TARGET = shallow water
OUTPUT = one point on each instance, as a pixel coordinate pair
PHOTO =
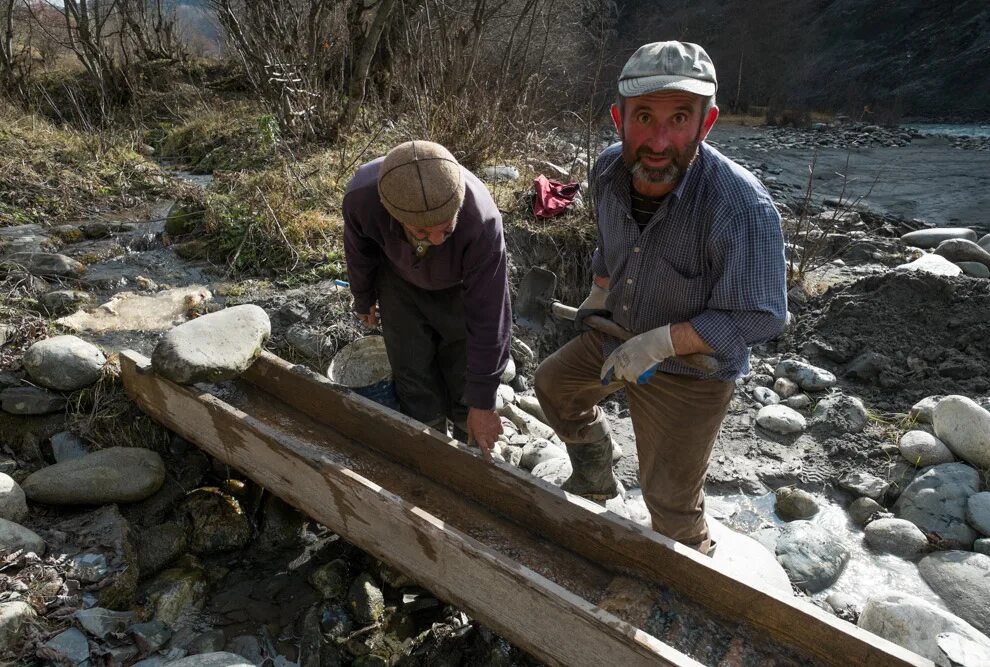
(950, 129)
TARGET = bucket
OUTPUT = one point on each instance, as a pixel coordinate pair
(363, 368)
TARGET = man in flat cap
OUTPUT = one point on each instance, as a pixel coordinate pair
(690, 259)
(424, 248)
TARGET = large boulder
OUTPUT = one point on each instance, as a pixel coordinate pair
(113, 475)
(963, 250)
(922, 449)
(934, 264)
(30, 401)
(965, 428)
(935, 501)
(65, 363)
(962, 580)
(930, 238)
(212, 348)
(812, 558)
(916, 624)
(45, 264)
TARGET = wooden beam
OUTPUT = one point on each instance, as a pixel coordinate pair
(577, 524)
(536, 614)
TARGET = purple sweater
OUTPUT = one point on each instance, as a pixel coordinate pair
(472, 257)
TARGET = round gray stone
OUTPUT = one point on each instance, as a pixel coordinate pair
(212, 348)
(935, 501)
(13, 616)
(113, 475)
(923, 410)
(922, 449)
(14, 536)
(13, 504)
(30, 401)
(896, 536)
(765, 396)
(785, 388)
(806, 376)
(538, 450)
(963, 250)
(864, 484)
(841, 413)
(64, 363)
(974, 269)
(978, 512)
(812, 558)
(791, 503)
(965, 428)
(930, 238)
(780, 419)
(962, 580)
(861, 509)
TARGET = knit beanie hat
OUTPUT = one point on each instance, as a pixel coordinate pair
(421, 184)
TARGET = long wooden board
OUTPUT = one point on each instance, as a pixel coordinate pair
(576, 524)
(543, 618)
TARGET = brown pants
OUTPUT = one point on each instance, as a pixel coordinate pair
(675, 419)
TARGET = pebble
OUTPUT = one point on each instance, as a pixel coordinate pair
(922, 449)
(923, 410)
(798, 402)
(780, 419)
(806, 376)
(841, 413)
(537, 451)
(861, 509)
(71, 645)
(930, 238)
(112, 475)
(14, 537)
(64, 363)
(864, 484)
(785, 388)
(965, 429)
(366, 600)
(791, 503)
(963, 250)
(765, 396)
(30, 401)
(896, 536)
(13, 616)
(974, 269)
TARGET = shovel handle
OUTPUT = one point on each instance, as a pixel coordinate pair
(702, 362)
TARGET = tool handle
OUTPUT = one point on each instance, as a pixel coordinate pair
(702, 362)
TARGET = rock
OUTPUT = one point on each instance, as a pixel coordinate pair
(864, 484)
(531, 405)
(30, 401)
(899, 474)
(63, 302)
(812, 558)
(67, 446)
(45, 264)
(785, 388)
(218, 659)
(935, 501)
(212, 348)
(509, 374)
(984, 242)
(512, 454)
(780, 419)
(806, 376)
(281, 524)
(13, 616)
(210, 641)
(100, 622)
(113, 475)
(522, 353)
(982, 546)
(798, 402)
(841, 413)
(527, 423)
(974, 269)
(861, 509)
(922, 449)
(870, 367)
(539, 450)
(915, 624)
(923, 410)
(13, 505)
(502, 172)
(178, 591)
(765, 396)
(150, 636)
(14, 537)
(978, 512)
(747, 559)
(930, 238)
(896, 536)
(366, 600)
(89, 568)
(64, 363)
(963, 250)
(554, 471)
(70, 645)
(331, 580)
(934, 264)
(794, 503)
(217, 520)
(183, 218)
(310, 342)
(160, 546)
(962, 651)
(962, 580)
(504, 394)
(965, 428)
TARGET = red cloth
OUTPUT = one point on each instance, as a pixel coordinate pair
(552, 197)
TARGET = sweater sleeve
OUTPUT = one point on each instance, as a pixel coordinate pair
(363, 256)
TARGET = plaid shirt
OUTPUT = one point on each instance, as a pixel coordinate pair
(713, 254)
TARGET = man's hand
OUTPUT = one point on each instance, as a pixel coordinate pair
(484, 427)
(637, 359)
(594, 303)
(369, 319)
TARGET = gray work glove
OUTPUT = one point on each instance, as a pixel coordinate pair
(594, 304)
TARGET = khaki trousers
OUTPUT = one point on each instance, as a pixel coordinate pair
(675, 420)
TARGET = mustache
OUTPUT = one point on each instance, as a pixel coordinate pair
(643, 151)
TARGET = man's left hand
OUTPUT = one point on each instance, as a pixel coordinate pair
(637, 359)
(484, 427)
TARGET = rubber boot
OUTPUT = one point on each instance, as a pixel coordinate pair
(592, 477)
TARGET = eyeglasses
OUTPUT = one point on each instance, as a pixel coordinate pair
(423, 233)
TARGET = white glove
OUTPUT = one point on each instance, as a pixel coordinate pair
(594, 304)
(637, 359)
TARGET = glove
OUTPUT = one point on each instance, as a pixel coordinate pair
(637, 359)
(594, 304)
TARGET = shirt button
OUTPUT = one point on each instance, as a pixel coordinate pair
(629, 281)
(636, 249)
(625, 308)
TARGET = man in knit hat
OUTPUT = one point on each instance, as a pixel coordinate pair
(424, 248)
(690, 259)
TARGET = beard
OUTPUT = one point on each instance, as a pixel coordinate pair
(677, 165)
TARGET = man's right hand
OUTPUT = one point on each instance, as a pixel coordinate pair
(594, 304)
(369, 319)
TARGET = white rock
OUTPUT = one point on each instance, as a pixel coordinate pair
(978, 512)
(896, 536)
(13, 616)
(765, 396)
(962, 580)
(922, 449)
(13, 504)
(14, 536)
(785, 388)
(965, 428)
(65, 363)
(537, 451)
(780, 419)
(864, 484)
(218, 659)
(531, 405)
(555, 471)
(935, 264)
(915, 624)
(929, 238)
(923, 410)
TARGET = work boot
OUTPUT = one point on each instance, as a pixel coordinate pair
(592, 476)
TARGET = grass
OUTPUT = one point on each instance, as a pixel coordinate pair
(50, 174)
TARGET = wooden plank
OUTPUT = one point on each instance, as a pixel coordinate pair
(575, 523)
(536, 614)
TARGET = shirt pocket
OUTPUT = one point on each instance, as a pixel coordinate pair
(670, 296)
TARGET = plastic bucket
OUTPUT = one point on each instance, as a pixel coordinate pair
(363, 368)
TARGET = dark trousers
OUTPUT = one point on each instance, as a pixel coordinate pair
(426, 341)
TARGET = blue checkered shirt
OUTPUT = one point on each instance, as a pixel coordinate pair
(712, 254)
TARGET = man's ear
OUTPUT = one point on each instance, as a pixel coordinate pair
(709, 122)
(617, 118)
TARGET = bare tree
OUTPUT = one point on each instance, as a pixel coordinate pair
(153, 29)
(8, 71)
